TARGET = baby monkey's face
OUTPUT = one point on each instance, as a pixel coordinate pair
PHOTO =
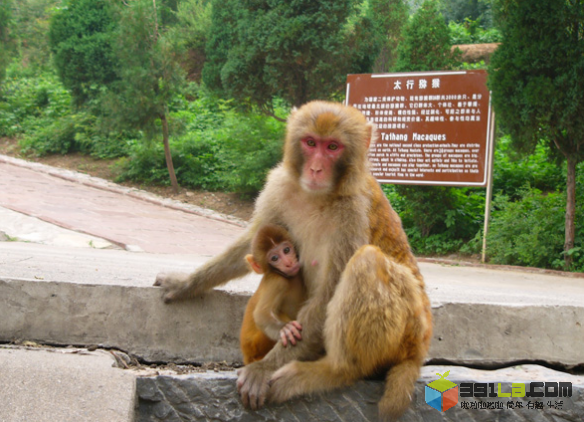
(283, 258)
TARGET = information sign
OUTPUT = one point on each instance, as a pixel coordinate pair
(434, 127)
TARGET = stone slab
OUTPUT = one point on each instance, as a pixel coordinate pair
(213, 397)
(44, 385)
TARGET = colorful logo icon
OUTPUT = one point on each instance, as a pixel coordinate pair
(442, 394)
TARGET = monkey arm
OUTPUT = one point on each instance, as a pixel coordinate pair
(267, 313)
(217, 271)
(231, 263)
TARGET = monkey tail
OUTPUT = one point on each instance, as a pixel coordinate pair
(399, 387)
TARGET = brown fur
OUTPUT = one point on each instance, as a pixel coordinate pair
(366, 305)
(275, 302)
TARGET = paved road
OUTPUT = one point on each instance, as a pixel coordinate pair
(118, 218)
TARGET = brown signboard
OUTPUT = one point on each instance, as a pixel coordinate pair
(434, 127)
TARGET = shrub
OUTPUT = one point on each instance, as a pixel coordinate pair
(438, 219)
(29, 102)
(220, 149)
(471, 32)
(529, 231)
(513, 171)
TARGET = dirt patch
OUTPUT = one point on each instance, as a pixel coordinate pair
(474, 53)
(225, 203)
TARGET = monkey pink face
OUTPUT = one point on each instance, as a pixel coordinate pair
(320, 156)
(283, 258)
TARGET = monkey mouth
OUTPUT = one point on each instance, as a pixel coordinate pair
(293, 271)
(312, 185)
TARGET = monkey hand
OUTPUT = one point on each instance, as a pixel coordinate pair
(252, 384)
(176, 286)
(290, 333)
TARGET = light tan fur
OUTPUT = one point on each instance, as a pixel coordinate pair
(367, 306)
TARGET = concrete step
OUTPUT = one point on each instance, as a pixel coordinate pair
(65, 385)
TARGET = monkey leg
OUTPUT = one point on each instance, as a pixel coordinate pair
(366, 330)
(255, 346)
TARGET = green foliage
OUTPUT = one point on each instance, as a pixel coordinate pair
(295, 50)
(77, 132)
(149, 74)
(252, 145)
(513, 171)
(81, 38)
(536, 74)
(426, 42)
(362, 41)
(230, 150)
(538, 89)
(470, 32)
(475, 10)
(528, 231)
(28, 25)
(528, 210)
(38, 110)
(388, 18)
(191, 33)
(5, 16)
(30, 102)
(438, 220)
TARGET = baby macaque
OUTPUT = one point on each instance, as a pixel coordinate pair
(271, 312)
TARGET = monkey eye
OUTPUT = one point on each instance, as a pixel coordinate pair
(333, 147)
(274, 258)
(287, 250)
(310, 142)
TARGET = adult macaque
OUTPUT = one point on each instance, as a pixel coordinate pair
(366, 301)
(271, 312)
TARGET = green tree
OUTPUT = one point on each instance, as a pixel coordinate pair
(469, 11)
(191, 34)
(5, 16)
(426, 42)
(81, 36)
(538, 87)
(149, 75)
(28, 30)
(263, 49)
(389, 17)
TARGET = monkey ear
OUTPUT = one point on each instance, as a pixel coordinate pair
(371, 133)
(253, 264)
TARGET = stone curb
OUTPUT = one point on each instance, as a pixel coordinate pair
(98, 183)
(134, 319)
(532, 270)
(213, 397)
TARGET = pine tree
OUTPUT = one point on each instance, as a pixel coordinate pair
(536, 76)
(426, 42)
